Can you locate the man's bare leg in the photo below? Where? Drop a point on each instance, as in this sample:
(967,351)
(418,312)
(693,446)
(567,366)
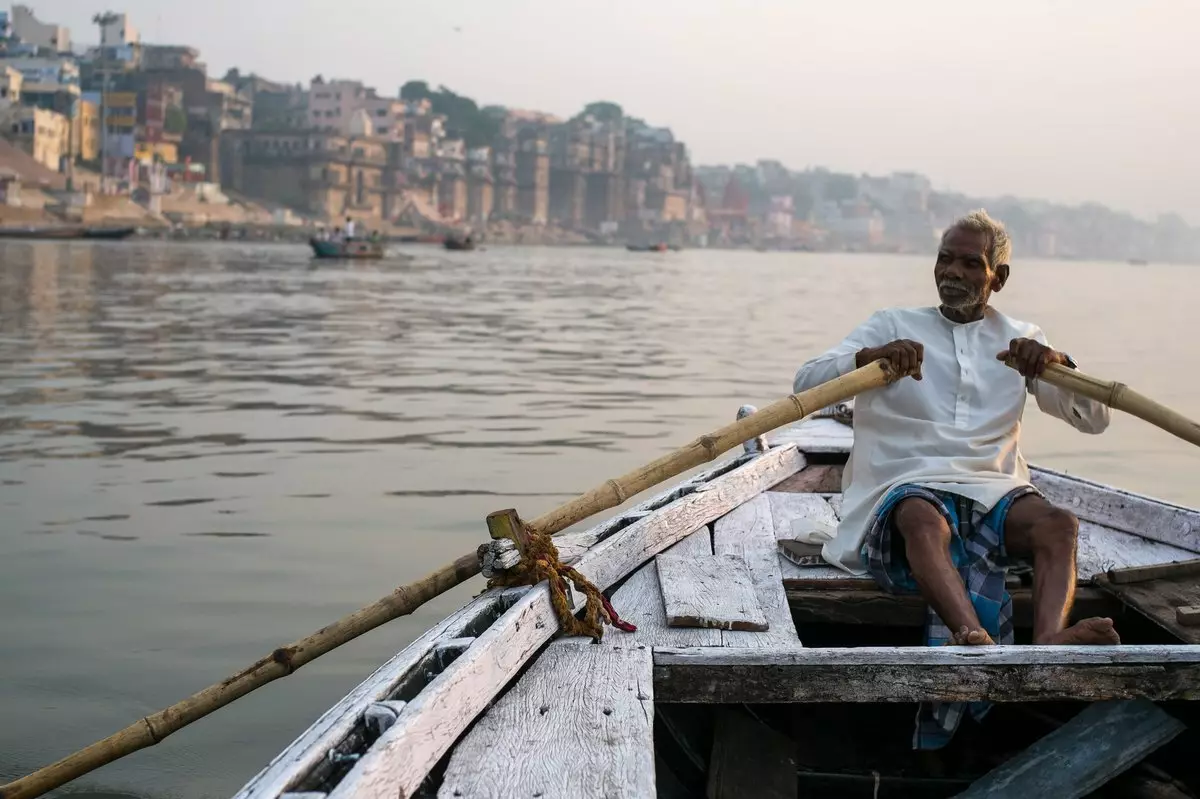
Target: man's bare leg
(927,546)
(1035,528)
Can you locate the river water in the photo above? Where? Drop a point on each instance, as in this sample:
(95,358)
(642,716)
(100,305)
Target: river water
(209,450)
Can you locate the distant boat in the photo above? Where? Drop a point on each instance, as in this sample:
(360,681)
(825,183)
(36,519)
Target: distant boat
(67,232)
(1138,261)
(108,232)
(455,243)
(660,247)
(352,248)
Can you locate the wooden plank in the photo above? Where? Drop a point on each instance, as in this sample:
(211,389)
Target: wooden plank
(1158,601)
(1121,510)
(750,760)
(401,758)
(639,601)
(1103,548)
(1188,616)
(579,723)
(1161,571)
(871,605)
(748,531)
(1104,740)
(816,478)
(709,591)
(920,674)
(310,750)
(816,436)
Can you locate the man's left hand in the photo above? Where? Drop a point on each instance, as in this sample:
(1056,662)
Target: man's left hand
(1030,357)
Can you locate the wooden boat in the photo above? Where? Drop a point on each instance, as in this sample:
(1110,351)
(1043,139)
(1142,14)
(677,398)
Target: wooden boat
(715,695)
(351,248)
(115,233)
(660,247)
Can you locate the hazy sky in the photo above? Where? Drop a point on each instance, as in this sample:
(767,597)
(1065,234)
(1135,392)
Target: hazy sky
(1067,100)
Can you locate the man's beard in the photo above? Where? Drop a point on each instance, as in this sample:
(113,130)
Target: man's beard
(964,297)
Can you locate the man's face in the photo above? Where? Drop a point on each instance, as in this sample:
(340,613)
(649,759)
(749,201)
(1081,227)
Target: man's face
(964,277)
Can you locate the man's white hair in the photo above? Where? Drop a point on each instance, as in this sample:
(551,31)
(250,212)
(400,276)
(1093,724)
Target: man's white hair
(999,244)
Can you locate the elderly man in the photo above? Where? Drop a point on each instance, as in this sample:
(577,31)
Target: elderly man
(936,490)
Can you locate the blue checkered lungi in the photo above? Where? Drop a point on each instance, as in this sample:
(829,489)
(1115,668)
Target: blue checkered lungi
(977,551)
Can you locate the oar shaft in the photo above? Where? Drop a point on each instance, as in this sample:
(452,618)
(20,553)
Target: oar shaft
(1122,398)
(404,600)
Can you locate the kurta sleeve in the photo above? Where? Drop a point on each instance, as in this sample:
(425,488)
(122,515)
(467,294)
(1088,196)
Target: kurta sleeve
(1084,414)
(839,360)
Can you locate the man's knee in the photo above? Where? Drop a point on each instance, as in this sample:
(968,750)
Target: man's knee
(919,522)
(1055,532)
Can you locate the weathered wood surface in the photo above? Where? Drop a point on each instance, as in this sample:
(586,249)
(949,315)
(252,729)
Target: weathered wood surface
(919,674)
(578,724)
(1121,510)
(1104,548)
(640,601)
(787,508)
(1104,740)
(816,435)
(310,750)
(1159,601)
(750,760)
(1188,616)
(748,531)
(397,763)
(872,605)
(709,591)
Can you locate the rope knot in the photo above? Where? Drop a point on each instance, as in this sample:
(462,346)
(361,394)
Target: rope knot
(540,561)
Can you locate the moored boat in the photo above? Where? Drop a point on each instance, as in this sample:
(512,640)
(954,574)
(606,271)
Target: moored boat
(660,247)
(67,232)
(755,671)
(347,248)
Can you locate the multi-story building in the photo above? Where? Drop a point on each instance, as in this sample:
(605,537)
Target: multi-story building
(85,138)
(49,83)
(533,173)
(43,134)
(328,175)
(480,186)
(10,86)
(26,27)
(167,57)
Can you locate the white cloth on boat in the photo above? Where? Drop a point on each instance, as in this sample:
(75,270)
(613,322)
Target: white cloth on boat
(956,429)
(808,530)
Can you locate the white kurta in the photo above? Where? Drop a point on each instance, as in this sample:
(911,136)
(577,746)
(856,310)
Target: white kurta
(954,430)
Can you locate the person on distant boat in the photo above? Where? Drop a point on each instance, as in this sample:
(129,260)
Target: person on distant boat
(349,228)
(337,234)
(938,491)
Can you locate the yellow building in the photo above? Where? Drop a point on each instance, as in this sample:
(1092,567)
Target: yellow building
(87,131)
(43,134)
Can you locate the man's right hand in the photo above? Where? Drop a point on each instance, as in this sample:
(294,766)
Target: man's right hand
(905,356)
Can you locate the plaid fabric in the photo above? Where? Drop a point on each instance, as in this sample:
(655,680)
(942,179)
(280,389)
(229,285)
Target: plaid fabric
(977,551)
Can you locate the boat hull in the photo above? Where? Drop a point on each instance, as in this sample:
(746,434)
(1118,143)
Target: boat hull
(355,248)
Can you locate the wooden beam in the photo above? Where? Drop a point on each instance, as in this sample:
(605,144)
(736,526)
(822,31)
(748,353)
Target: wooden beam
(1104,740)
(871,605)
(641,604)
(749,532)
(1158,571)
(921,674)
(1122,510)
(400,759)
(579,723)
(709,591)
(750,760)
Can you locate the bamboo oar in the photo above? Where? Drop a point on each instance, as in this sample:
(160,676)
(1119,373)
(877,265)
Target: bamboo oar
(405,599)
(1122,398)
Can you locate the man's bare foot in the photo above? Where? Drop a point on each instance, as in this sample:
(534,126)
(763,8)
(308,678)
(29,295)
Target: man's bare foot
(1089,632)
(965,637)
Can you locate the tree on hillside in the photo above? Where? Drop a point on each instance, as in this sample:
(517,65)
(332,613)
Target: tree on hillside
(603,111)
(462,113)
